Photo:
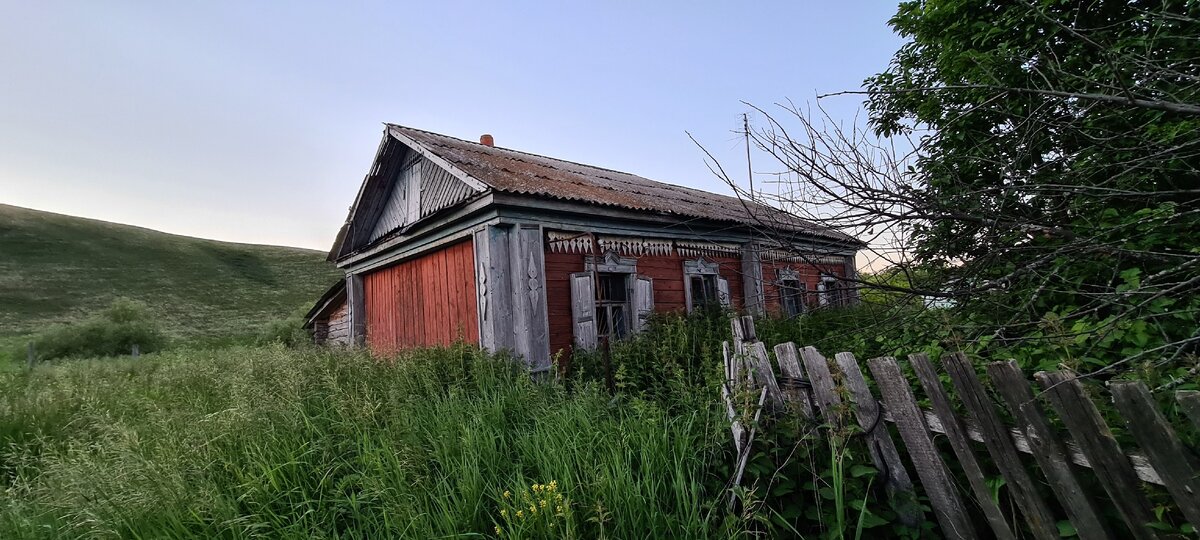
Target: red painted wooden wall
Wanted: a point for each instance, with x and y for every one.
(809, 274)
(666, 270)
(426, 301)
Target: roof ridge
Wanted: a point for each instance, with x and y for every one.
(597, 167)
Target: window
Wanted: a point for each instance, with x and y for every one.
(829, 292)
(704, 291)
(791, 296)
(609, 300)
(612, 306)
(703, 284)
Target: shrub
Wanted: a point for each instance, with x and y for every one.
(112, 332)
(289, 332)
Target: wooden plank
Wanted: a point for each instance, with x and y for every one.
(748, 328)
(1189, 401)
(795, 386)
(1161, 444)
(956, 434)
(823, 387)
(1038, 516)
(1046, 448)
(756, 357)
(935, 478)
(728, 387)
(898, 485)
(1096, 441)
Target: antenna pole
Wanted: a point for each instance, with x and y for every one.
(749, 169)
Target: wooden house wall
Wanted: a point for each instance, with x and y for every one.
(337, 327)
(425, 301)
(666, 270)
(809, 274)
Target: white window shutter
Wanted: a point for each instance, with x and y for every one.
(723, 291)
(643, 301)
(583, 309)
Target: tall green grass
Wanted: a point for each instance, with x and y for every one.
(273, 442)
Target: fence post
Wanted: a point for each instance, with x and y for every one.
(136, 352)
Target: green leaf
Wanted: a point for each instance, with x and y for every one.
(1066, 529)
(859, 471)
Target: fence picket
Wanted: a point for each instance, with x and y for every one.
(1161, 444)
(795, 385)
(1189, 401)
(956, 434)
(935, 478)
(1047, 449)
(1096, 441)
(999, 443)
(760, 364)
(823, 386)
(899, 486)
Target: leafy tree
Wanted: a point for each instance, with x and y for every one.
(1034, 164)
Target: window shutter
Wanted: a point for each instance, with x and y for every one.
(583, 309)
(723, 291)
(643, 301)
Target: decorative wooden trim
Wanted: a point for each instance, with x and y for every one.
(628, 245)
(700, 266)
(687, 248)
(778, 255)
(576, 242)
(612, 263)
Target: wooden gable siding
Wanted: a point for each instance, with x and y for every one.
(809, 274)
(419, 190)
(421, 302)
(665, 270)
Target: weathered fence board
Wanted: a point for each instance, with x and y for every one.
(960, 444)
(807, 378)
(1189, 401)
(823, 387)
(947, 506)
(999, 444)
(899, 486)
(795, 383)
(1111, 466)
(1012, 386)
(1157, 438)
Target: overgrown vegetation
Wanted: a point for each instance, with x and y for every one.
(112, 332)
(268, 441)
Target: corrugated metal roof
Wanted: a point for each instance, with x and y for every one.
(513, 171)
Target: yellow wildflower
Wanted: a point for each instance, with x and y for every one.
(498, 531)
(520, 514)
(542, 503)
(532, 509)
(503, 512)
(553, 485)
(507, 494)
(558, 509)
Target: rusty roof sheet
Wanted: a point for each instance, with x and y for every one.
(512, 171)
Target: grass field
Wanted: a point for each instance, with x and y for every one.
(60, 269)
(270, 442)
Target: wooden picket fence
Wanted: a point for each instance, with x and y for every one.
(809, 385)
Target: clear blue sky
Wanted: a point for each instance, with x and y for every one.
(255, 121)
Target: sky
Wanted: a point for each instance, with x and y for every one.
(255, 122)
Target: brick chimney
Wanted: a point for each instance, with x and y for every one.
(487, 140)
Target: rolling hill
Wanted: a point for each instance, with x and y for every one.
(57, 269)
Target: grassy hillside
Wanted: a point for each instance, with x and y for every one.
(57, 269)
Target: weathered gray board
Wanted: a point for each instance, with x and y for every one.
(511, 292)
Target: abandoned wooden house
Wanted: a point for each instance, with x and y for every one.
(450, 239)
